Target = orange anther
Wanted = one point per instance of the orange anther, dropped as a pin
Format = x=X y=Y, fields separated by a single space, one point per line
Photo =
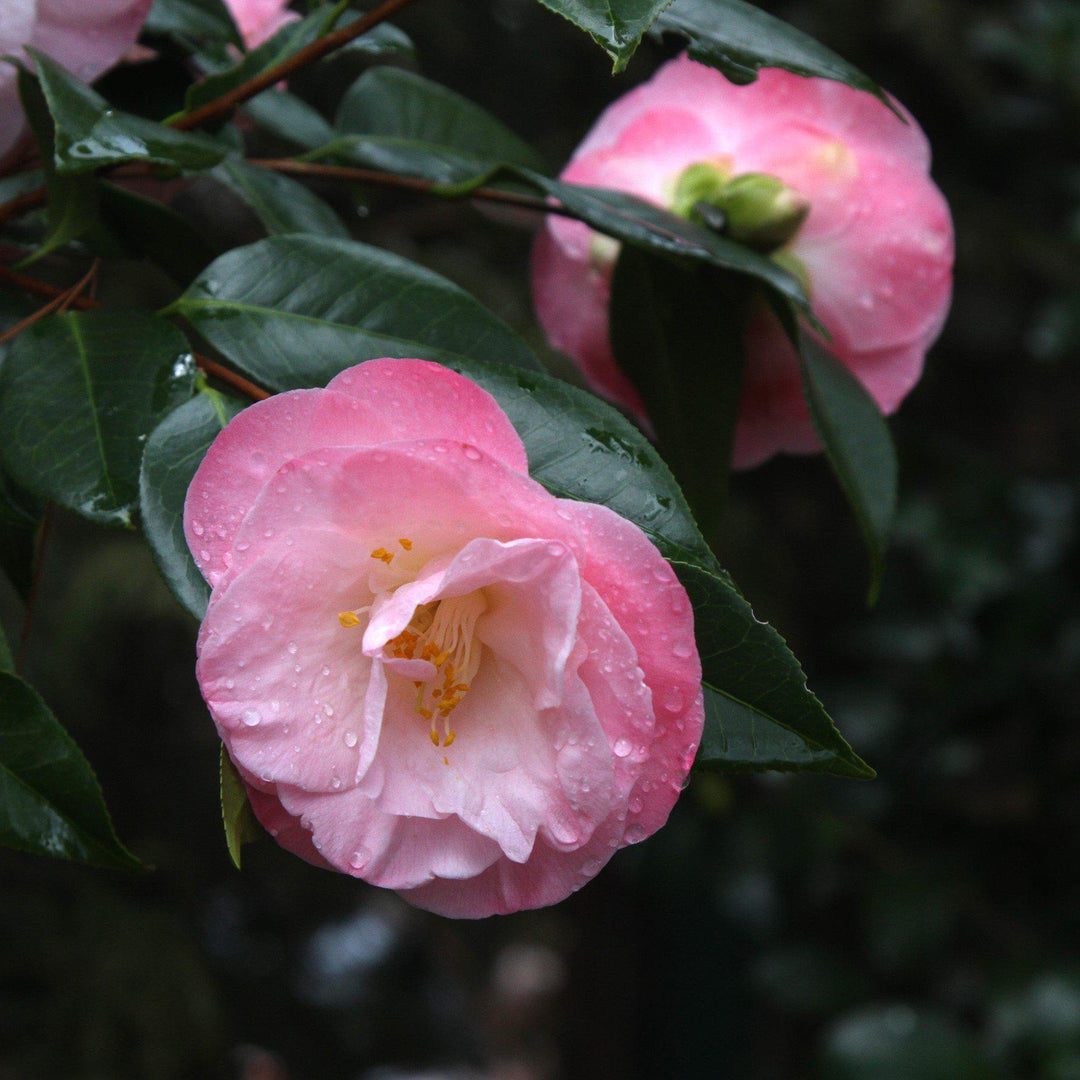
x=406 y=544
x=383 y=555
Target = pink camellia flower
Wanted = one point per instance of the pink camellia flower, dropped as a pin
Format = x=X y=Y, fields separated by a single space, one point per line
x=86 y=36
x=431 y=673
x=824 y=178
x=259 y=20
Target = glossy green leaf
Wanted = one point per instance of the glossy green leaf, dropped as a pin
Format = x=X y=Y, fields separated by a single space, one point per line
x=290 y=39
x=20 y=519
x=397 y=121
x=293 y=311
x=193 y=22
x=287 y=117
x=739 y=39
x=91 y=134
x=281 y=204
x=79 y=394
x=72 y=206
x=151 y=230
x=616 y=26
x=239 y=819
x=759 y=713
x=173 y=453
x=677 y=334
x=858 y=445
x=384 y=40
x=50 y=800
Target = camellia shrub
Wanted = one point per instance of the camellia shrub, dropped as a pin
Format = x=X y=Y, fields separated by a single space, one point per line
x=463 y=631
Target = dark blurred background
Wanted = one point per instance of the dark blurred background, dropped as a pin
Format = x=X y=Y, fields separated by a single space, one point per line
x=923 y=925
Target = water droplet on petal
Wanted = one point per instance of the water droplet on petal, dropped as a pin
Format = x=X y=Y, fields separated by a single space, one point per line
x=350 y=739
x=251 y=717
x=622 y=747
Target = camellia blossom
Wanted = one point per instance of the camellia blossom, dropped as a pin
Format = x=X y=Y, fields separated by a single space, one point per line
x=85 y=36
x=824 y=178
x=259 y=20
x=431 y=673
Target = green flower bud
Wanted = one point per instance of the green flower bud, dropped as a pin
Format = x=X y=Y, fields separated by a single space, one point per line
x=762 y=211
x=702 y=182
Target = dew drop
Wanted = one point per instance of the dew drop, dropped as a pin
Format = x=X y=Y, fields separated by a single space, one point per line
x=358 y=859
x=350 y=739
x=250 y=717
x=622 y=747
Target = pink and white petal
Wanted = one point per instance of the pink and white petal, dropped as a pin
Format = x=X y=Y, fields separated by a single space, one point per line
x=886 y=279
x=356 y=837
x=773 y=416
x=648 y=602
x=889 y=374
x=649 y=154
x=438 y=494
x=678 y=84
x=512 y=770
x=533 y=596
x=550 y=875
x=283 y=827
x=418 y=399
x=289 y=689
x=533 y=593
x=250 y=450
x=571 y=296
x=87 y=38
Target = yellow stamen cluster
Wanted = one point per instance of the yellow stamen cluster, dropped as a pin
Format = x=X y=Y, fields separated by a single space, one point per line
x=442 y=634
x=443 y=699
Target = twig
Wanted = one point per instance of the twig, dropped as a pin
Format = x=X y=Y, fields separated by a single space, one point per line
x=212 y=110
x=63 y=301
x=84 y=303
x=406 y=183
x=308 y=55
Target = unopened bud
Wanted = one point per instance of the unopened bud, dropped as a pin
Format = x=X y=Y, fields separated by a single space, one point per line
x=762 y=211
x=702 y=182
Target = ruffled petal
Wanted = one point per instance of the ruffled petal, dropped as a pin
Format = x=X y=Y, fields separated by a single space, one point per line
x=417 y=399
x=437 y=494
x=291 y=693
x=355 y=837
x=650 y=605
x=254 y=445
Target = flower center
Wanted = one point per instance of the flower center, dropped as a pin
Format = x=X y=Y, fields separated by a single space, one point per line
x=756 y=209
x=443 y=633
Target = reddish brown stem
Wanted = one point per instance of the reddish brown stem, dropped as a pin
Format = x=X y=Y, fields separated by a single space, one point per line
x=67 y=298
x=223 y=105
x=405 y=183
x=308 y=55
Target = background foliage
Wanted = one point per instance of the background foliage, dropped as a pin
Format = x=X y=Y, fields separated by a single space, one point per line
x=920 y=925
